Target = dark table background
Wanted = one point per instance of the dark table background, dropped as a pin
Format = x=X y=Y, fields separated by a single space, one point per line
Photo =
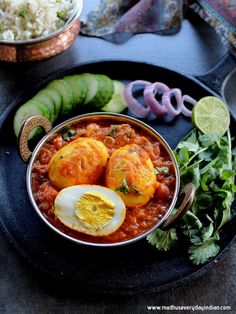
x=193 y=51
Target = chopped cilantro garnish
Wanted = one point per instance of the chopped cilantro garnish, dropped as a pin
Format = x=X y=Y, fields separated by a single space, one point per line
x=68 y=135
x=210 y=163
x=123 y=188
x=163 y=240
x=113 y=130
x=164 y=170
x=136 y=190
x=61 y=16
x=24 y=15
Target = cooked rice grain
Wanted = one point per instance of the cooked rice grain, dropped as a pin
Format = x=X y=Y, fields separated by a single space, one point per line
x=27 y=19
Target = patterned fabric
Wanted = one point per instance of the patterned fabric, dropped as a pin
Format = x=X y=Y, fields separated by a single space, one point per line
x=159 y=16
x=221 y=14
x=133 y=16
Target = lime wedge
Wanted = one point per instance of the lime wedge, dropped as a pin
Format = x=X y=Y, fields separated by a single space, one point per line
x=211 y=115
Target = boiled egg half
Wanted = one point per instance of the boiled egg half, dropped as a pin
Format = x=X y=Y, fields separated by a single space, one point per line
x=90 y=209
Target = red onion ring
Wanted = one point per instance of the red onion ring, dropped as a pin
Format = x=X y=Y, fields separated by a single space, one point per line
x=149 y=96
x=190 y=100
x=166 y=101
x=134 y=106
x=153 y=106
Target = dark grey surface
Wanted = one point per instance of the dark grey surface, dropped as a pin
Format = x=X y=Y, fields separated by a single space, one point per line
x=194 y=50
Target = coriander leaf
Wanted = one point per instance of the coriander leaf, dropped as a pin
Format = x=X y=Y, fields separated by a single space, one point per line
x=207 y=140
x=134 y=187
x=234 y=159
x=190 y=137
x=192 y=147
x=163 y=240
x=61 y=16
x=69 y=134
x=113 y=130
x=200 y=254
x=227 y=174
x=24 y=15
x=228 y=196
x=212 y=173
x=209 y=165
x=226 y=216
x=164 y=170
x=192 y=220
x=207 y=232
x=204 y=182
x=183 y=156
x=193 y=157
x=227 y=202
x=196 y=176
x=206 y=155
x=192 y=233
x=202 y=201
x=194 y=239
x=192 y=174
x=124 y=187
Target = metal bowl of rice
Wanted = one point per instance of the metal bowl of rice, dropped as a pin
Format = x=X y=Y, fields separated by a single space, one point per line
x=32 y=30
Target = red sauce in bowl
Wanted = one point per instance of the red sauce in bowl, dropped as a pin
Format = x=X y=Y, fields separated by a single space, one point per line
x=114 y=136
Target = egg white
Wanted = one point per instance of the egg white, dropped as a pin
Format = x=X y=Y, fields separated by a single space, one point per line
x=65 y=204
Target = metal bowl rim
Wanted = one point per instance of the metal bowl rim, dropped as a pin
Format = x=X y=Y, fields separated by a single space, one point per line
x=74 y=120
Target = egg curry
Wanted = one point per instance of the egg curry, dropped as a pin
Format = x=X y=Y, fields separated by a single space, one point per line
x=101 y=182
x=130 y=172
x=81 y=161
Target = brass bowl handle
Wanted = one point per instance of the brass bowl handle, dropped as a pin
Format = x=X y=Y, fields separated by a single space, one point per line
x=28 y=125
x=189 y=193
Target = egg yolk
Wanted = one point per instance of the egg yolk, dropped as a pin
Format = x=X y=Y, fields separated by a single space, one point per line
x=94 y=210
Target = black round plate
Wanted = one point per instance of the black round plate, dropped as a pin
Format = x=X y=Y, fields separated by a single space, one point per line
x=124 y=270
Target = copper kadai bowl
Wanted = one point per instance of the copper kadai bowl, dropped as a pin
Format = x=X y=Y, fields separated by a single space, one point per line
x=43 y=47
x=185 y=197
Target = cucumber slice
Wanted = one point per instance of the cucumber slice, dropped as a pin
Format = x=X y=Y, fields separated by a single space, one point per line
x=48 y=102
x=108 y=88
x=93 y=86
x=83 y=88
x=117 y=103
x=65 y=91
x=57 y=99
x=75 y=87
x=95 y=94
x=30 y=108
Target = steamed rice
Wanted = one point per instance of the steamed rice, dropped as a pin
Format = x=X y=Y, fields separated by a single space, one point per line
x=27 y=19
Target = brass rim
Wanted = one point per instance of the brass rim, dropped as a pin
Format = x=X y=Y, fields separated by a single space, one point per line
x=28 y=125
